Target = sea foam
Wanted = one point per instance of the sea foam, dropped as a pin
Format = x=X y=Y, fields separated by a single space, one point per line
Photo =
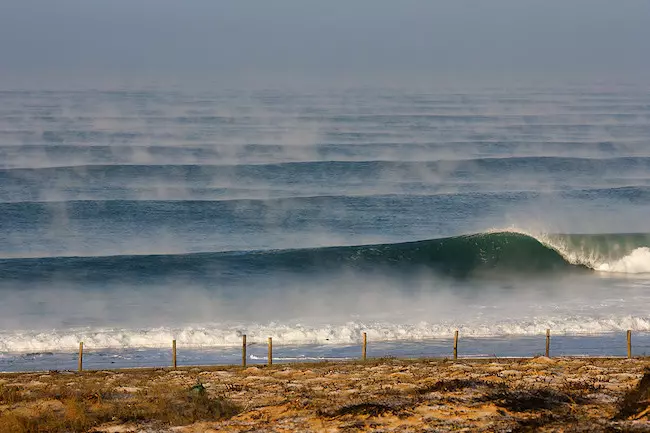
x=637 y=262
x=227 y=335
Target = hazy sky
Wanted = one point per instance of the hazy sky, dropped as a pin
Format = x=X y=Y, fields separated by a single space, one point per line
x=233 y=42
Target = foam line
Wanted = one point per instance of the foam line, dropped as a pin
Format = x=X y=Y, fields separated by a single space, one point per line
x=349 y=333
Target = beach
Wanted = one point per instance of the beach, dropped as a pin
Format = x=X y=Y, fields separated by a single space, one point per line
x=504 y=395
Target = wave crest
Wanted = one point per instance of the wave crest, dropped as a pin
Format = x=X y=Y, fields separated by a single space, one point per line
x=611 y=253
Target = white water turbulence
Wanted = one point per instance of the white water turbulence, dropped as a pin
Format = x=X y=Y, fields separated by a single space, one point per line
x=228 y=335
x=619 y=255
x=637 y=262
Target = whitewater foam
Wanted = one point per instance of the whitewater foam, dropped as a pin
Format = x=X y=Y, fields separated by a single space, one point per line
x=298 y=334
x=637 y=262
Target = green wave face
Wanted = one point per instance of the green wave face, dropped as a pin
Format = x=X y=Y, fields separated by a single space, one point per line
x=477 y=253
x=514 y=252
x=494 y=254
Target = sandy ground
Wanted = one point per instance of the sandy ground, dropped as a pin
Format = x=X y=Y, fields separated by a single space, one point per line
x=502 y=395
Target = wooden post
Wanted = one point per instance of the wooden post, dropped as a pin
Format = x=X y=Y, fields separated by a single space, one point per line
x=629 y=343
x=243 y=350
x=174 y=354
x=81 y=356
x=456 y=344
x=270 y=351
x=363 y=347
x=548 y=342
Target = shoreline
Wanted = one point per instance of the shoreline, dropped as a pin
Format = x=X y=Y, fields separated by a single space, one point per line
x=385 y=394
x=333 y=361
x=609 y=345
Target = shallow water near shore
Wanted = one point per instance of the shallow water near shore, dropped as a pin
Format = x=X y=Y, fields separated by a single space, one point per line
x=610 y=345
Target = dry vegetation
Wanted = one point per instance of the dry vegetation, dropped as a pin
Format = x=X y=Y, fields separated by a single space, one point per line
x=56 y=402
x=596 y=395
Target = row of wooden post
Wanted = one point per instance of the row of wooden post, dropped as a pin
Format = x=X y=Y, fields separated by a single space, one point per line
x=363 y=349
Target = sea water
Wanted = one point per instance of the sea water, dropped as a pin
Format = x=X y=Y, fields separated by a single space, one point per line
x=134 y=217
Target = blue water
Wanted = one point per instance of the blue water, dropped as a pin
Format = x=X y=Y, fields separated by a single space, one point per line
x=131 y=218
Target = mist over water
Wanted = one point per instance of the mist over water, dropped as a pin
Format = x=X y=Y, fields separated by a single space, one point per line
x=128 y=218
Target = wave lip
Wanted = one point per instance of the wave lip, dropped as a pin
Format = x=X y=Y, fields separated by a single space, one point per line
x=611 y=253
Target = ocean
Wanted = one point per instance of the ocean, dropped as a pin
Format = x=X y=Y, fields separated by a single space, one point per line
x=130 y=218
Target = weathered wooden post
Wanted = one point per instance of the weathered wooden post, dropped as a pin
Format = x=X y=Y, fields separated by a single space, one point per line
x=548 y=342
x=629 y=343
x=81 y=356
x=456 y=344
x=243 y=350
x=364 y=346
x=174 y=354
x=270 y=351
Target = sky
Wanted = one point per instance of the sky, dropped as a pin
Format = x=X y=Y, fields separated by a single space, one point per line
x=233 y=43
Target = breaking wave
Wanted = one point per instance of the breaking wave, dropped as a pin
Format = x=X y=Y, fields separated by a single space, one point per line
x=491 y=252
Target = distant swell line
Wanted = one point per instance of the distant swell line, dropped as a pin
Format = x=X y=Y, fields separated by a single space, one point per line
x=512 y=161
x=619 y=192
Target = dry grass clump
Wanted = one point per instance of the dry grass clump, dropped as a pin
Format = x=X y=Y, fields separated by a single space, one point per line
x=523 y=400
x=636 y=402
x=369 y=408
x=60 y=407
x=10 y=394
x=450 y=386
